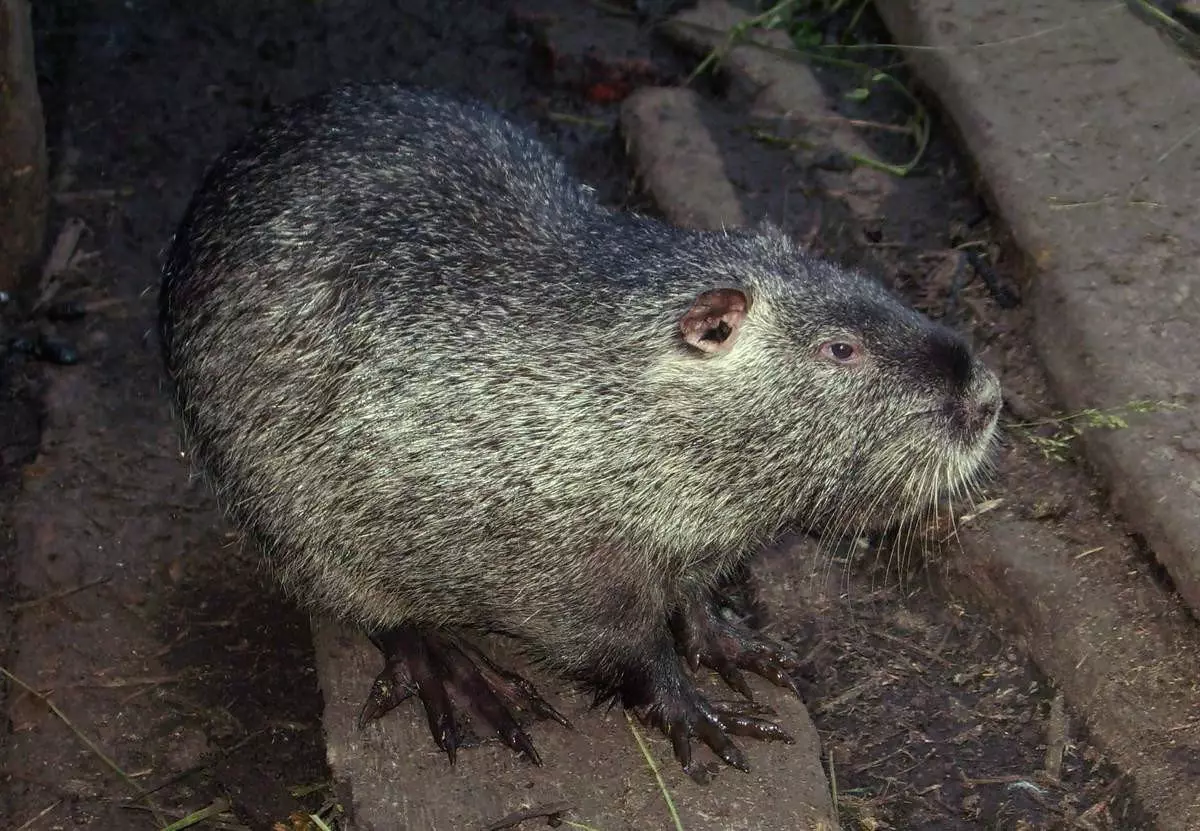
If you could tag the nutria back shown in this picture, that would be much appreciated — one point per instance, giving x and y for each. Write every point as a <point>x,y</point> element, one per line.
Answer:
<point>440,386</point>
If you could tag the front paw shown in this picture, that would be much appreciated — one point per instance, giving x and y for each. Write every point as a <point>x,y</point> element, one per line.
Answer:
<point>703,638</point>
<point>683,713</point>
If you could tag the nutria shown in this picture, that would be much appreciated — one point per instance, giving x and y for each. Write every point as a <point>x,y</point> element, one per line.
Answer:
<point>446,392</point>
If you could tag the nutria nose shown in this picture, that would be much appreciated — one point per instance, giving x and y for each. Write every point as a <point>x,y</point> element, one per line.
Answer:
<point>974,412</point>
<point>982,412</point>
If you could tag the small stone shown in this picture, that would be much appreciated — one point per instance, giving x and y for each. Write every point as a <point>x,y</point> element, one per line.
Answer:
<point>1189,444</point>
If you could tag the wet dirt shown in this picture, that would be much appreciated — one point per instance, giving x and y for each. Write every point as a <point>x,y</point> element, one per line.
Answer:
<point>932,718</point>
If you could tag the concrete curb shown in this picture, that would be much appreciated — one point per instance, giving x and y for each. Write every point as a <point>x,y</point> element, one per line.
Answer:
<point>595,768</point>
<point>677,161</point>
<point>1087,139</point>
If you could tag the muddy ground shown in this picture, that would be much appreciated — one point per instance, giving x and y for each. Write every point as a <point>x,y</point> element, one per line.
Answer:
<point>932,717</point>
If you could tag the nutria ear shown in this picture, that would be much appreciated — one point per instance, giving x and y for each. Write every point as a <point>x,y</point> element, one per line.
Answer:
<point>715,319</point>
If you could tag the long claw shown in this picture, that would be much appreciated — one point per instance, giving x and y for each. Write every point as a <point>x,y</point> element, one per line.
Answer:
<point>674,705</point>
<point>522,688</point>
<point>756,728</point>
<point>703,637</point>
<point>441,721</point>
<point>519,741</point>
<point>449,738</point>
<point>744,708</point>
<point>678,734</point>
<point>543,710</point>
<point>388,690</point>
<point>713,733</point>
<point>734,678</point>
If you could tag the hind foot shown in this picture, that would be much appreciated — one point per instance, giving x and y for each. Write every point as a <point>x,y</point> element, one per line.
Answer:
<point>450,676</point>
<point>703,637</point>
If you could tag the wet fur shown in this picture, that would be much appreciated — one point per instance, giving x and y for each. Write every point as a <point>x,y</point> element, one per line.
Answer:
<point>437,383</point>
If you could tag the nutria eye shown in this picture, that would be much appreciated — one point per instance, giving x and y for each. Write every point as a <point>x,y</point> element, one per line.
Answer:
<point>841,352</point>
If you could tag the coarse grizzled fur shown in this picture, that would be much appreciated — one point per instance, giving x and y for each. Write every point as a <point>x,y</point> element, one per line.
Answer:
<point>438,383</point>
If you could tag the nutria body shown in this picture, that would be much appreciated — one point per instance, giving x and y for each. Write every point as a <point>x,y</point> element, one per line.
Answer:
<point>444,391</point>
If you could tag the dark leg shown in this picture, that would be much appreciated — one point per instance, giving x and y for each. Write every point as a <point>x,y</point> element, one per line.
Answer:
<point>451,676</point>
<point>657,689</point>
<point>703,637</point>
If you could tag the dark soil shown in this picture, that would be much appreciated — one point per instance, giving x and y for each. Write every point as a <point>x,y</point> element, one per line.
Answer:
<point>931,717</point>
